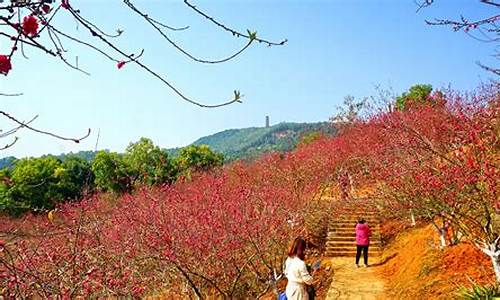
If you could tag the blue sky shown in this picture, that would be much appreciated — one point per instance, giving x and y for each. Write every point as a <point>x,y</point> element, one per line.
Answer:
<point>335,48</point>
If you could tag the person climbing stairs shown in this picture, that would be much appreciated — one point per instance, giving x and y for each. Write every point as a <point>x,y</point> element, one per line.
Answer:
<point>341,238</point>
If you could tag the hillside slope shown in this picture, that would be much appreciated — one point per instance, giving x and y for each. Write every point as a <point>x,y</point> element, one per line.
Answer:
<point>236,143</point>
<point>416,268</point>
<point>250,142</point>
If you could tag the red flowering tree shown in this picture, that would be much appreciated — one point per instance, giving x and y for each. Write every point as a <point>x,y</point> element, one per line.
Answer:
<point>442,162</point>
<point>222,233</point>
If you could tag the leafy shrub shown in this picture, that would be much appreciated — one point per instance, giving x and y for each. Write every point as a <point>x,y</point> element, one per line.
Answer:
<point>479,292</point>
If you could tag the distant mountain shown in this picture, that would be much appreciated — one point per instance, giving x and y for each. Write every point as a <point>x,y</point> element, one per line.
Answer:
<point>236,143</point>
<point>253,141</point>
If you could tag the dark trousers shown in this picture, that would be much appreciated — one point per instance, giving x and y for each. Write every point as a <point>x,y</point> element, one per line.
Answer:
<point>365,253</point>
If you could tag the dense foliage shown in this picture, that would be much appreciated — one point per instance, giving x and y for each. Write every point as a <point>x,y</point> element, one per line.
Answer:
<point>42,183</point>
<point>418,94</point>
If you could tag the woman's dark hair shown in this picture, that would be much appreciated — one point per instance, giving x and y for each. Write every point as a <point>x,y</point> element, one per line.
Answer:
<point>298,248</point>
<point>361,221</point>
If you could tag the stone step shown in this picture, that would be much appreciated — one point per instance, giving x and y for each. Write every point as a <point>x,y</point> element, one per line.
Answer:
<point>354,221</point>
<point>350,230</point>
<point>335,231</point>
<point>375,235</point>
<point>350,248</point>
<point>351,212</point>
<point>345,239</point>
<point>351,227</point>
<point>354,213</point>
<point>354,218</point>
<point>353,249</point>
<point>349,254</point>
<point>343,243</point>
<point>334,227</point>
<point>341,238</point>
<point>348,234</point>
<point>350,218</point>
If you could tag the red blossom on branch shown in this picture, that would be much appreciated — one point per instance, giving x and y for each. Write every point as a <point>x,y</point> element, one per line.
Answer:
<point>30,25</point>
<point>5,65</point>
<point>120,64</point>
<point>46,8</point>
<point>65,4</point>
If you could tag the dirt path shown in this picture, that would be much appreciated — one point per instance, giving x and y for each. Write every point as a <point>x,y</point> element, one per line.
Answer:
<point>352,283</point>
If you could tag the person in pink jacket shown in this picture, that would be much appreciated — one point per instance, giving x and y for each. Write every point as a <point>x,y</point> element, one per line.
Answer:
<point>363,234</point>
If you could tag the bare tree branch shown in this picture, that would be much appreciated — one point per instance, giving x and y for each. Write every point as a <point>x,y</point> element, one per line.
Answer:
<point>487,27</point>
<point>232,31</point>
<point>25,125</point>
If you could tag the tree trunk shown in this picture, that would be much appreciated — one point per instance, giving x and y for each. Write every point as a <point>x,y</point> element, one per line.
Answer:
<point>442,233</point>
<point>493,251</point>
<point>413,223</point>
<point>495,260</point>
<point>274,282</point>
<point>442,237</point>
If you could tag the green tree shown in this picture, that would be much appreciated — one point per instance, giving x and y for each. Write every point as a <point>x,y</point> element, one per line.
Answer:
<point>417,95</point>
<point>310,137</point>
<point>7,205</point>
<point>148,164</point>
<point>198,158</point>
<point>34,183</point>
<point>76,177</point>
<point>111,172</point>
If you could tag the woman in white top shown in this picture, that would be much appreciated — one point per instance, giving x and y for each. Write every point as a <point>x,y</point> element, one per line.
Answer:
<point>296,272</point>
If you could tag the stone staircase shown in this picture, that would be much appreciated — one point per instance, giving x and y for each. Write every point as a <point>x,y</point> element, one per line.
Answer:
<point>341,238</point>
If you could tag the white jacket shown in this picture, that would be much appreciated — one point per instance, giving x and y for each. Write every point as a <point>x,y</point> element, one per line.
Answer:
<point>298,278</point>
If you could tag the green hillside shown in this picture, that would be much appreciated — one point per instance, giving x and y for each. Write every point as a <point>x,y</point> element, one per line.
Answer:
<point>236,143</point>
<point>250,142</point>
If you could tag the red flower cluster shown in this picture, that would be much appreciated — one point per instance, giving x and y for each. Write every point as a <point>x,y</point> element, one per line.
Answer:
<point>30,26</point>
<point>120,64</point>
<point>46,8</point>
<point>65,4</point>
<point>5,65</point>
